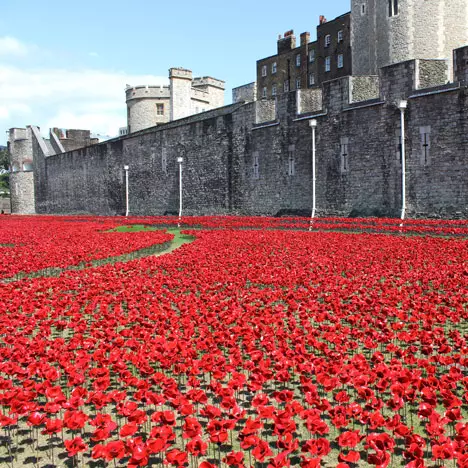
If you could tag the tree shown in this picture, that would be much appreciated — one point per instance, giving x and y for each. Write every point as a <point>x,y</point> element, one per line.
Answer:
<point>4,160</point>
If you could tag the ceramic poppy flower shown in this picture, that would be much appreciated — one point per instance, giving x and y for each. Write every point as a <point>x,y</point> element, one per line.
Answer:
<point>75,446</point>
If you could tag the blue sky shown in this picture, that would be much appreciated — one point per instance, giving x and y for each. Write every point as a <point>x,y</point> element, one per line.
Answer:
<point>66,64</point>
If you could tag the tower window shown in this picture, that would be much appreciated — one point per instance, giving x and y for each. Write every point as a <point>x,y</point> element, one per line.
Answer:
<point>363,9</point>
<point>327,40</point>
<point>392,7</point>
<point>159,109</point>
<point>273,67</point>
<point>340,36</point>
<point>273,90</point>
<point>298,83</point>
<point>264,70</point>
<point>340,60</point>
<point>27,166</point>
<point>312,56</point>
<point>311,79</point>
<point>327,64</point>
<point>298,60</point>
<point>264,92</point>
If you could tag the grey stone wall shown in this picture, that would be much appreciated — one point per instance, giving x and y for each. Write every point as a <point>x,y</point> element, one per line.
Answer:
<point>22,192</point>
<point>309,100</point>
<point>432,73</point>
<point>461,65</point>
<point>265,110</point>
<point>235,164</point>
<point>363,88</point>
<point>245,93</point>
<point>422,29</point>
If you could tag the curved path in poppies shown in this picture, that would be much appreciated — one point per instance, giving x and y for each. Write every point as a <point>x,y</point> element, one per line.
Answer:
<point>155,250</point>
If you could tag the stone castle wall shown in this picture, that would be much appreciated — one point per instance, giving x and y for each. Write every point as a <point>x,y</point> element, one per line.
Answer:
<point>22,192</point>
<point>238,163</point>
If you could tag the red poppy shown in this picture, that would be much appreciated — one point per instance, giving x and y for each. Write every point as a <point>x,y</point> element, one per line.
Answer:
<point>235,459</point>
<point>196,447</point>
<point>261,450</point>
<point>75,446</point>
<point>176,457</point>
<point>349,438</point>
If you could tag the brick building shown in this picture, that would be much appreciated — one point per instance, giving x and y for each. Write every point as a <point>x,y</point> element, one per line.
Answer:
<point>308,64</point>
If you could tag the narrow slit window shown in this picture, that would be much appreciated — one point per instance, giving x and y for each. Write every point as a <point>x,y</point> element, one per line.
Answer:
<point>164,162</point>
<point>256,172</point>
<point>291,161</point>
<point>344,154</point>
<point>425,133</point>
<point>398,145</point>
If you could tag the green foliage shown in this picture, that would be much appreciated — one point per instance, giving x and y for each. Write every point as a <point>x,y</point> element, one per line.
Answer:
<point>4,160</point>
<point>4,174</point>
<point>4,184</point>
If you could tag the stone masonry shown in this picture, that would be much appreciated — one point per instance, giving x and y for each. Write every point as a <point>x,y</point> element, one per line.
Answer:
<point>390,31</point>
<point>255,158</point>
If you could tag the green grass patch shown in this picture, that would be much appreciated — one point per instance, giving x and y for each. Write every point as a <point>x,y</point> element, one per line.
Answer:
<point>157,249</point>
<point>134,228</point>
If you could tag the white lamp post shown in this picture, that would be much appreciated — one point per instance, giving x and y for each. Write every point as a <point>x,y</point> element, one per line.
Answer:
<point>180,160</point>
<point>126,189</point>
<point>313,126</point>
<point>402,105</point>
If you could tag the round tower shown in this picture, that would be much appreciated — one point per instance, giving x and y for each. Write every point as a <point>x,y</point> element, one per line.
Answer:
<point>21,171</point>
<point>384,32</point>
<point>147,106</point>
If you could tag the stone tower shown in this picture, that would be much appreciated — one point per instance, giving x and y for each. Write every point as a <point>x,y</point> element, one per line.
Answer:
<point>390,31</point>
<point>147,106</point>
<point>20,145</point>
<point>181,90</point>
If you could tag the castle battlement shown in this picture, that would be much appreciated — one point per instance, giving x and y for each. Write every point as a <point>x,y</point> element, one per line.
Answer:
<point>208,81</point>
<point>147,91</point>
<point>181,73</point>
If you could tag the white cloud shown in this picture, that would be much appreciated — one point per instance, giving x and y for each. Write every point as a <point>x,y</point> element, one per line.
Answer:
<point>51,97</point>
<point>11,46</point>
<point>93,54</point>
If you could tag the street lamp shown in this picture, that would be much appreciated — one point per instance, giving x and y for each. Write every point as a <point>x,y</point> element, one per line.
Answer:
<point>313,126</point>
<point>126,189</point>
<point>180,160</point>
<point>402,105</point>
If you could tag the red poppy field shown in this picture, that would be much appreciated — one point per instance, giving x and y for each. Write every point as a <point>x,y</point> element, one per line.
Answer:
<point>261,343</point>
